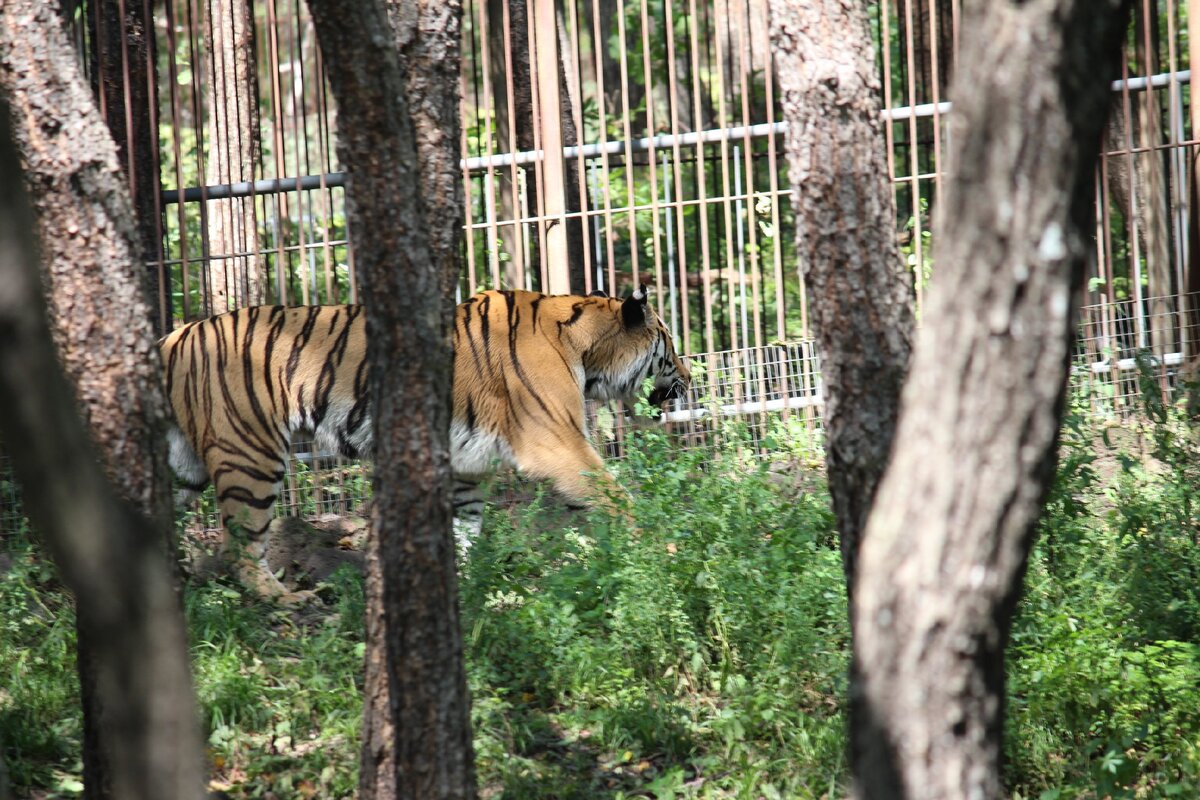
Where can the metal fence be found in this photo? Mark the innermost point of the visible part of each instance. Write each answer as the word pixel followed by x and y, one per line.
pixel 612 142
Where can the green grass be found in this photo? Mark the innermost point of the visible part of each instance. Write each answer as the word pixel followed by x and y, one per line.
pixel 702 655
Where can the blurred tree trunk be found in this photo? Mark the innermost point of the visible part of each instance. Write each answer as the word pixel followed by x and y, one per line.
pixel 417 740
pixel 123 66
pixel 846 242
pixel 236 276
pixel 947 542
pixel 140 734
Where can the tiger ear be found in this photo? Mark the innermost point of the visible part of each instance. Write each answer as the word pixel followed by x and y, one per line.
pixel 597 293
pixel 633 310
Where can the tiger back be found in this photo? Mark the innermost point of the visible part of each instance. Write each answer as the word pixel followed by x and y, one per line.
pixel 242 384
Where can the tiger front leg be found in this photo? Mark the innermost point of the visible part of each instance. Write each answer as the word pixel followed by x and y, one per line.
pixel 250 517
pixel 468 512
pixel 578 473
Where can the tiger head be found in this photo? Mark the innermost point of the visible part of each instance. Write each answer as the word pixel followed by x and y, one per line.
pixel 639 347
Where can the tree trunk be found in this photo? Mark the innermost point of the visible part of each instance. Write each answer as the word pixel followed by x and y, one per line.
pixel 235 275
pixel 123 65
pixel 947 542
pixel 846 242
pixel 413 611
pixel 141 739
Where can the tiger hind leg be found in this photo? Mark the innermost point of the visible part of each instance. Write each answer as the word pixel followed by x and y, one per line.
pixel 247 505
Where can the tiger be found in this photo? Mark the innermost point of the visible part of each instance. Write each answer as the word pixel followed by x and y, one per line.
pixel 243 383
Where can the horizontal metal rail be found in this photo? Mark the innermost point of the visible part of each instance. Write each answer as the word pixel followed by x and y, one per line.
pixel 222 191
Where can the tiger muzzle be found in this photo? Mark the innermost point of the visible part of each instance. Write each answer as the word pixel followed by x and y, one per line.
pixel 661 395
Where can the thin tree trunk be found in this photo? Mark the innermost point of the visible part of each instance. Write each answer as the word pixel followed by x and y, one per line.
pixel 947 542
pixel 414 611
pixel 141 738
pixel 236 277
pixel 846 243
pixel 123 66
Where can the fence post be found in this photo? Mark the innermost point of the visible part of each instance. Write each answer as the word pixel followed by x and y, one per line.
pixel 553 225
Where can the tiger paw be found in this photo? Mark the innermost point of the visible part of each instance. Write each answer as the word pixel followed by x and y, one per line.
pixel 293 599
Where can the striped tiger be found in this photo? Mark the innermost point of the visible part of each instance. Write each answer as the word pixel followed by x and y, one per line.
pixel 243 383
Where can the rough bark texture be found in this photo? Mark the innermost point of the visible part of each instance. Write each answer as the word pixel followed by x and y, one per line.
pixel 123 61
pixel 846 242
pixel 141 739
pixel 235 272
pixel 413 614
pixel 946 546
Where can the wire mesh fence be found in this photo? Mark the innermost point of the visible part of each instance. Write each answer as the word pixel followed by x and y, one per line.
pixel 608 143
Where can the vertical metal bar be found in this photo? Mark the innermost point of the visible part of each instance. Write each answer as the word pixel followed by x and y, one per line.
pixel 514 178
pixel 914 162
pixel 751 224
pixel 468 201
pixel 485 123
pixel 702 189
pixel 677 176
pixel 308 278
pixel 576 79
pixel 726 206
pixel 601 105
pixel 622 58
pixel 1178 183
pixel 1135 264
pixel 332 291
pixel 198 117
pixel 544 43
pixel 176 129
pixel 673 291
pixel 935 77
pixel 741 244
pixel 281 207
pixel 539 167
pixel 651 160
pixel 777 230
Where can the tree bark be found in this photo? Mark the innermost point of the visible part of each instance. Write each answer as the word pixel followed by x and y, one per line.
pixel 236 276
pixel 947 542
pixel 400 248
pixel 846 243
pixel 141 739
pixel 123 66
